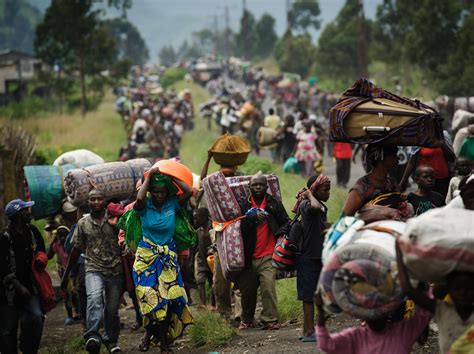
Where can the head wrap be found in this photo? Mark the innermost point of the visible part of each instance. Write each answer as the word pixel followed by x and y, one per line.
pixel 160 180
pixel 320 180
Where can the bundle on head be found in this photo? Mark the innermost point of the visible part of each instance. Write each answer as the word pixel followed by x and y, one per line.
pixel 230 150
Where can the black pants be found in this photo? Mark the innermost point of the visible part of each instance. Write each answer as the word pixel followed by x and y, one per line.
pixel 343 171
pixel 30 318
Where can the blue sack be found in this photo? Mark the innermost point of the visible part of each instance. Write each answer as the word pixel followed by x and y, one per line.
pixel 291 165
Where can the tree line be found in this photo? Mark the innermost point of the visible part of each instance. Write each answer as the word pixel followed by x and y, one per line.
pixel 434 38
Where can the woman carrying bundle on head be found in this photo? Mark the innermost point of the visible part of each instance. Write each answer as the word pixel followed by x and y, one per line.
pixel 156 272
pixel 378 189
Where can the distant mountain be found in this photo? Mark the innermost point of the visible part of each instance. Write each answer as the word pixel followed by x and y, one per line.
pixel 18 20
pixel 166 22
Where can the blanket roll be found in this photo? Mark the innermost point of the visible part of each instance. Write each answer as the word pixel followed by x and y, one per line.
pixel 116 179
pixel 360 278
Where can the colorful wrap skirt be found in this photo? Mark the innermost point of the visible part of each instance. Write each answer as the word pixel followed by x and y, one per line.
pixel 159 287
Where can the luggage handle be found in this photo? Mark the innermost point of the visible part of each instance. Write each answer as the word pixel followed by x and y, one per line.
pixel 374 130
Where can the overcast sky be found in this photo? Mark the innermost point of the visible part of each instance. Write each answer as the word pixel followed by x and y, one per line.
pixel 166 22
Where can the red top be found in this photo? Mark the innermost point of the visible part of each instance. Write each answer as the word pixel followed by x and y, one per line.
pixel 265 240
pixel 342 150
pixel 434 158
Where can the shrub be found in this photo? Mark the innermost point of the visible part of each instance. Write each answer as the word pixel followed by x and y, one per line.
pixel 27 107
pixel 47 155
pixel 171 76
pixel 255 164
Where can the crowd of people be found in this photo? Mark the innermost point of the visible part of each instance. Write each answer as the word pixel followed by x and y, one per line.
pixel 154 119
pixel 105 249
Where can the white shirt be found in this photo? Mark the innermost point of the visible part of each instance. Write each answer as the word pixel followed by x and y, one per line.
pixel 450 325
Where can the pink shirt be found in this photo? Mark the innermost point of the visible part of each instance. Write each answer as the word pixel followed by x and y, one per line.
pixel 397 338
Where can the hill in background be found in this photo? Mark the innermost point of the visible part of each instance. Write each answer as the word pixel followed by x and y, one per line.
pixel 18 20
pixel 166 22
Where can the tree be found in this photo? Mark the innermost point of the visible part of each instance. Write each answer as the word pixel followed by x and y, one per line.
pixel 303 15
pixel 72 35
pixel 129 41
pixel 17 24
pixel 167 56
pixel 295 53
pixel 422 32
pixel 205 39
pixel 266 36
pixel 183 50
pixel 456 76
pixel 246 38
pixel 337 54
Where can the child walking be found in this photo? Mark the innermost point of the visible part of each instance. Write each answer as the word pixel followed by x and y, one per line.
pixel 425 198
pixel 313 213
pixel 62 257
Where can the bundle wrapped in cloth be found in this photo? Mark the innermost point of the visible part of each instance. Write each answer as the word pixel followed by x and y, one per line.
pixel 80 158
pixel 439 242
pixel 116 179
pixel 223 208
pixel 360 277
pixel 44 185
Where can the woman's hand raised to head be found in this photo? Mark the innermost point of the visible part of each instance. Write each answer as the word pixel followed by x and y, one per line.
pixel 154 170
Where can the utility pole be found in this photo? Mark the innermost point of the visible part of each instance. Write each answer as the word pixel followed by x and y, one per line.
pixel 362 56
pixel 226 33
pixel 216 34
pixel 288 14
pixel 244 29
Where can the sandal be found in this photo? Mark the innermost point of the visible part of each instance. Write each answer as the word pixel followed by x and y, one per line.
pixel 311 338
pixel 271 327
pixel 245 325
pixel 144 343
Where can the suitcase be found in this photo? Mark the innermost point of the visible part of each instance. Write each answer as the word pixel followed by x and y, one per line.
pixel 366 114
pixel 230 247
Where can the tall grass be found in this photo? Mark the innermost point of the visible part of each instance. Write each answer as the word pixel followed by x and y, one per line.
pixel 210 329
pixel 100 131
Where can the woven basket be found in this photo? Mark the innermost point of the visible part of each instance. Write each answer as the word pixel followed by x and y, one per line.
pixel 229 150
pixel 230 159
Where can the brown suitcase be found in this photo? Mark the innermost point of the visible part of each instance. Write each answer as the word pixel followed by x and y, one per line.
pixel 367 114
pixel 378 115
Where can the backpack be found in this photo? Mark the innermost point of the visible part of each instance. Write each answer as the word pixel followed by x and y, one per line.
pixel 467 148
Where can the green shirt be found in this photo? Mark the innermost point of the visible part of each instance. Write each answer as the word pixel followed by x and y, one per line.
pixel 99 242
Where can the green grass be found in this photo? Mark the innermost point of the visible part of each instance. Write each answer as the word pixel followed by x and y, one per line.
pixel 210 330
pixel 289 308
pixel 269 65
pixel 72 345
pixel 100 131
